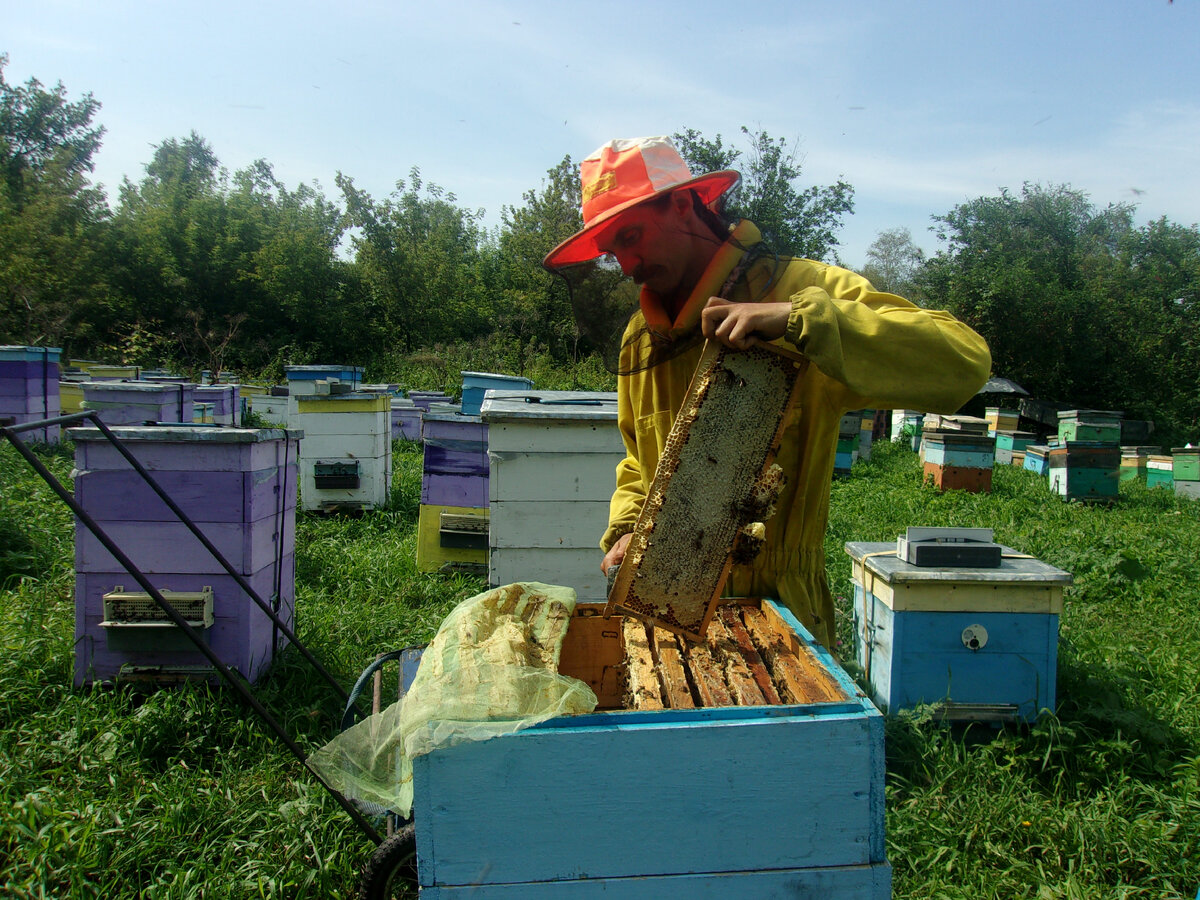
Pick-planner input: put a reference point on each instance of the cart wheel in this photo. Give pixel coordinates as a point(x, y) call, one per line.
point(392, 869)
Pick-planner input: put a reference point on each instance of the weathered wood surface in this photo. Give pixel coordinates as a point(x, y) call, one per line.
point(642, 688)
point(671, 670)
point(799, 675)
point(737, 631)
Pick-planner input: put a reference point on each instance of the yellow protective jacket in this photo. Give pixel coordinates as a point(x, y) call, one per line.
point(868, 350)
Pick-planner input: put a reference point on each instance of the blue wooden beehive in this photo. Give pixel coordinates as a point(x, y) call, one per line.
point(452, 523)
point(983, 642)
point(632, 804)
point(239, 487)
point(476, 384)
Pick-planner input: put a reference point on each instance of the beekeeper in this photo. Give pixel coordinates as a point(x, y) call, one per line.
point(701, 276)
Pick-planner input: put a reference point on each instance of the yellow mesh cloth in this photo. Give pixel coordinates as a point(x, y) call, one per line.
point(492, 669)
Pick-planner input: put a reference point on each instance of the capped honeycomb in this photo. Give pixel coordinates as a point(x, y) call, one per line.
point(714, 478)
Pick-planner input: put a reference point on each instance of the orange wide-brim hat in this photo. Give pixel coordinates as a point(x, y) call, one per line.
point(626, 172)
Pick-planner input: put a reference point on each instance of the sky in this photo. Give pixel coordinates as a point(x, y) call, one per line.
point(919, 106)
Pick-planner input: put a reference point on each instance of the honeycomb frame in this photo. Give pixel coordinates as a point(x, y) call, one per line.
point(716, 457)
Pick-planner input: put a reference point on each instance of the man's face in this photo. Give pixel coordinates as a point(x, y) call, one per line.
point(652, 245)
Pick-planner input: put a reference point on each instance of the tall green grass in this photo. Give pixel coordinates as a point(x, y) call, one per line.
point(183, 793)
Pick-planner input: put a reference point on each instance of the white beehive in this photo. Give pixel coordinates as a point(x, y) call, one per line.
point(346, 453)
point(552, 458)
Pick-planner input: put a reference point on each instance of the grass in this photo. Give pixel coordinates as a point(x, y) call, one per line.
point(183, 793)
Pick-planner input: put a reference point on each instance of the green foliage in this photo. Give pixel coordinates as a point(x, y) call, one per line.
point(533, 305)
point(52, 281)
point(419, 256)
point(1076, 304)
point(892, 263)
point(796, 221)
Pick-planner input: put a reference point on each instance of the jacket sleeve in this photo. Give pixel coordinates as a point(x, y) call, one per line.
point(630, 494)
point(888, 353)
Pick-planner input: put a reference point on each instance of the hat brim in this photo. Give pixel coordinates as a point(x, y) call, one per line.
point(582, 246)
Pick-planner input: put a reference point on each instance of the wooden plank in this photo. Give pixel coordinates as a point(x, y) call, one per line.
point(669, 811)
point(592, 652)
point(870, 882)
point(642, 687)
point(741, 683)
point(670, 669)
point(706, 676)
point(762, 678)
point(799, 676)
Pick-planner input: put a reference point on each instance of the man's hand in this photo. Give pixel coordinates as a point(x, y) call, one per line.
point(617, 553)
point(742, 325)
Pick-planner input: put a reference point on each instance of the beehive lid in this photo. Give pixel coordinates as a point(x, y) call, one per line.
point(181, 433)
point(880, 563)
point(505, 405)
point(720, 445)
point(448, 412)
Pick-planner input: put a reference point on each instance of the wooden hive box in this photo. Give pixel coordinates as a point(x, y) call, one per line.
point(959, 461)
point(1089, 425)
point(552, 471)
point(346, 453)
point(426, 399)
point(866, 434)
point(1009, 442)
point(1000, 419)
point(406, 420)
point(452, 526)
point(239, 487)
point(1133, 462)
point(455, 462)
point(981, 642)
point(696, 800)
point(1085, 470)
point(137, 402)
point(224, 399)
point(1037, 459)
point(475, 385)
point(29, 388)
point(1160, 471)
point(102, 372)
point(1185, 464)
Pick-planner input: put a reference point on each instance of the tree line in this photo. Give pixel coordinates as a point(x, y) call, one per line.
point(200, 268)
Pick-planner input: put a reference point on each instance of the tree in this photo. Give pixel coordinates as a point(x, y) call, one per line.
point(216, 269)
point(892, 261)
point(419, 255)
point(534, 306)
point(796, 221)
point(51, 219)
point(1076, 304)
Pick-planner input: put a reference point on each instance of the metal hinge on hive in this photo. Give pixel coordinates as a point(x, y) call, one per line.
point(714, 478)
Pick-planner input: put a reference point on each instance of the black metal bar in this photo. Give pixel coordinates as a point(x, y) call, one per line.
point(217, 555)
point(46, 423)
point(173, 614)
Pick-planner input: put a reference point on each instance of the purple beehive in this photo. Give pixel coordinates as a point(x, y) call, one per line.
point(137, 402)
point(29, 388)
point(426, 399)
point(238, 485)
point(224, 398)
point(406, 420)
point(455, 471)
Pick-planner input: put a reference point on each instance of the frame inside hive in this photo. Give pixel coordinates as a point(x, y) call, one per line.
point(723, 439)
point(750, 657)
